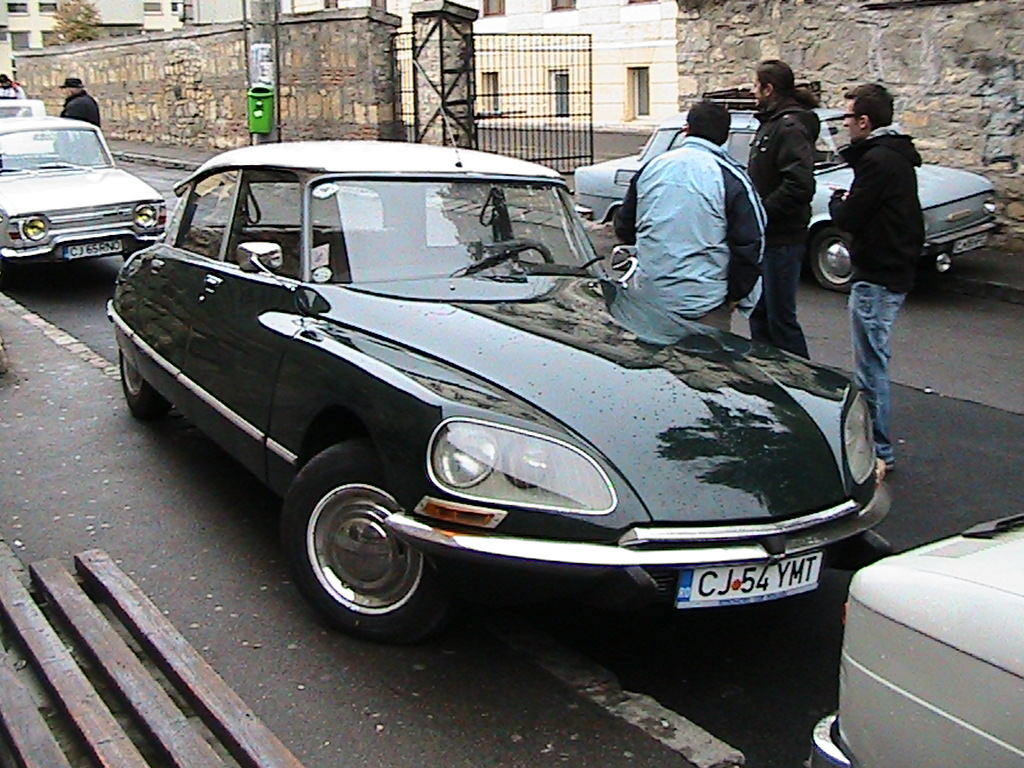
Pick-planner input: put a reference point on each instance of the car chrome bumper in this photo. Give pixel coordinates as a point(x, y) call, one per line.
point(825, 752)
point(669, 550)
point(945, 241)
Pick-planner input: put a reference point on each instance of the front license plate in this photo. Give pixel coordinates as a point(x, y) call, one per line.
point(748, 583)
point(970, 243)
point(96, 248)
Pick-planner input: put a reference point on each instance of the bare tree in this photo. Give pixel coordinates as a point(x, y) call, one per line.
point(76, 20)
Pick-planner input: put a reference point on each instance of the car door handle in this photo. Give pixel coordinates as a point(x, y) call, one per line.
point(155, 265)
point(212, 282)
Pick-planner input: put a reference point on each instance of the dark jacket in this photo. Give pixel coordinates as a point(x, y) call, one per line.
point(782, 168)
point(81, 106)
point(882, 212)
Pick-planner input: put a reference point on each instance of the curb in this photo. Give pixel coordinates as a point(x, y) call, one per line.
point(163, 162)
point(985, 290)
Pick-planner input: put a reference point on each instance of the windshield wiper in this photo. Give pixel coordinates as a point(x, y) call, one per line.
point(50, 166)
point(506, 250)
point(993, 528)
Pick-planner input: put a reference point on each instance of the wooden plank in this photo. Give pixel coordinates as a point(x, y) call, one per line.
point(26, 731)
point(155, 712)
point(250, 742)
point(103, 735)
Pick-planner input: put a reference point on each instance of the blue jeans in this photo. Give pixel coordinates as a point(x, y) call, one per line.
point(774, 318)
point(873, 310)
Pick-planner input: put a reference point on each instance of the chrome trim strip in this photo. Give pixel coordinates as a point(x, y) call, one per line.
point(275, 447)
point(185, 381)
point(977, 229)
point(443, 541)
point(825, 753)
point(637, 537)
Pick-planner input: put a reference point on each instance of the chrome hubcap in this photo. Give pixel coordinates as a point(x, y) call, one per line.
point(131, 376)
point(835, 262)
point(355, 557)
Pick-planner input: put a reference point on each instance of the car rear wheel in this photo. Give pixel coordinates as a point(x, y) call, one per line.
point(829, 256)
point(143, 401)
point(346, 561)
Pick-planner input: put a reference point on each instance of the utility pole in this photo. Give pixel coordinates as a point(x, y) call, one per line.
point(261, 36)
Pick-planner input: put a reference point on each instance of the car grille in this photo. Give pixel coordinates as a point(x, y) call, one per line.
point(92, 220)
point(665, 580)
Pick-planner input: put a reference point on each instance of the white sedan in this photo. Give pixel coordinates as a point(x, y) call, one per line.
point(62, 198)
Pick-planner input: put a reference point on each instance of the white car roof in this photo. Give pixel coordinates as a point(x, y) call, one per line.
point(376, 157)
point(745, 118)
point(14, 124)
point(22, 108)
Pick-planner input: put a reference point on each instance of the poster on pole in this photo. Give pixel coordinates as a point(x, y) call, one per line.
point(261, 64)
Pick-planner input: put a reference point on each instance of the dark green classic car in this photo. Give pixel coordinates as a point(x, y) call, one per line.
point(419, 349)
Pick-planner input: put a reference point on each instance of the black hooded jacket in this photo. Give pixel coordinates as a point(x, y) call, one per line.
point(882, 211)
point(782, 168)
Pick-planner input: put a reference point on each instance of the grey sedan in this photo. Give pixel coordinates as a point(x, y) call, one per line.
point(959, 206)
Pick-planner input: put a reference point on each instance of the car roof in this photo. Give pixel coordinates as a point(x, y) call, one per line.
point(744, 118)
point(14, 124)
point(34, 107)
point(376, 157)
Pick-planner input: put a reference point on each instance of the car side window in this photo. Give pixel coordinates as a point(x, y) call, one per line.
point(738, 146)
point(269, 210)
point(207, 214)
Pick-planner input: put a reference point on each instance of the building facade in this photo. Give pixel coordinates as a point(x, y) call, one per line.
point(30, 24)
point(635, 75)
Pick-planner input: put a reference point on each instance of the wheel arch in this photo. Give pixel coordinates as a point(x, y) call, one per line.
point(332, 425)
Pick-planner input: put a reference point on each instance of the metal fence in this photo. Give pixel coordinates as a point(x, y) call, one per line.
point(530, 95)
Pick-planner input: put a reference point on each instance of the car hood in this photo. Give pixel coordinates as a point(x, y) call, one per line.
point(711, 428)
point(936, 185)
point(595, 179)
point(32, 192)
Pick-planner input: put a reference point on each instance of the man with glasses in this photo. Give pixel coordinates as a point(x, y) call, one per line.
point(882, 214)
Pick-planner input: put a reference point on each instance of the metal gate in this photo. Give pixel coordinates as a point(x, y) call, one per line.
point(529, 96)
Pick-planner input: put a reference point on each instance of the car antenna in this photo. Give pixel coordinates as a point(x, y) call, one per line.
point(444, 113)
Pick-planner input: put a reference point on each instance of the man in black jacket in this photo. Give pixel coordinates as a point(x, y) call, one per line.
point(78, 104)
point(782, 168)
point(882, 214)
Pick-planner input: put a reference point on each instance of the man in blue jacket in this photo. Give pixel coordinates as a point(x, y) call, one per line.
point(882, 213)
point(698, 226)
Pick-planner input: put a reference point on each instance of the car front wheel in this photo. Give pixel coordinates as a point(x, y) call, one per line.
point(143, 401)
point(346, 561)
point(829, 255)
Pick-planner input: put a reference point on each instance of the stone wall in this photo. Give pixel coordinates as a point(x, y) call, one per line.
point(188, 87)
point(956, 68)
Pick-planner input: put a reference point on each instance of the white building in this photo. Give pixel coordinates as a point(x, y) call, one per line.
point(635, 75)
point(30, 24)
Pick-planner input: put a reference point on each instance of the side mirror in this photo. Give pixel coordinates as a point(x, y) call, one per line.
point(258, 256)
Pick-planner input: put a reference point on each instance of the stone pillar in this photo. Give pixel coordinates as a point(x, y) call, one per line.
point(443, 83)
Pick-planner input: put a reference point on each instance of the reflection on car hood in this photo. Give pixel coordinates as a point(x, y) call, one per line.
point(708, 429)
point(39, 192)
point(595, 179)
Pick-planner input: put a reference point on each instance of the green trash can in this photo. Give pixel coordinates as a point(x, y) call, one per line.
point(260, 109)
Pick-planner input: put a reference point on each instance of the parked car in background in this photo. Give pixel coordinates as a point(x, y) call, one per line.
point(62, 198)
point(959, 206)
point(932, 670)
point(418, 348)
point(22, 108)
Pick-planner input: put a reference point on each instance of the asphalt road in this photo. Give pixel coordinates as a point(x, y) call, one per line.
point(200, 536)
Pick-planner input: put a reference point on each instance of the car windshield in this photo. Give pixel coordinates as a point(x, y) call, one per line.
point(659, 142)
point(830, 138)
point(37, 149)
point(405, 230)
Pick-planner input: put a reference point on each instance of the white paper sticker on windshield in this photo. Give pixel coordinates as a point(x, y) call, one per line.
point(322, 275)
point(324, 191)
point(321, 256)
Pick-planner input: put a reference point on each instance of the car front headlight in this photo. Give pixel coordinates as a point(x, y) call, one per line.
point(34, 228)
point(504, 465)
point(859, 440)
point(146, 216)
point(990, 204)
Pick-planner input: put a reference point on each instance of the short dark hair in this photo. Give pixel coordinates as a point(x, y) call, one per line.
point(779, 75)
point(708, 120)
point(874, 102)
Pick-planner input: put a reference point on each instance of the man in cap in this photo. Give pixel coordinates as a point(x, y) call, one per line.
point(79, 105)
point(10, 89)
